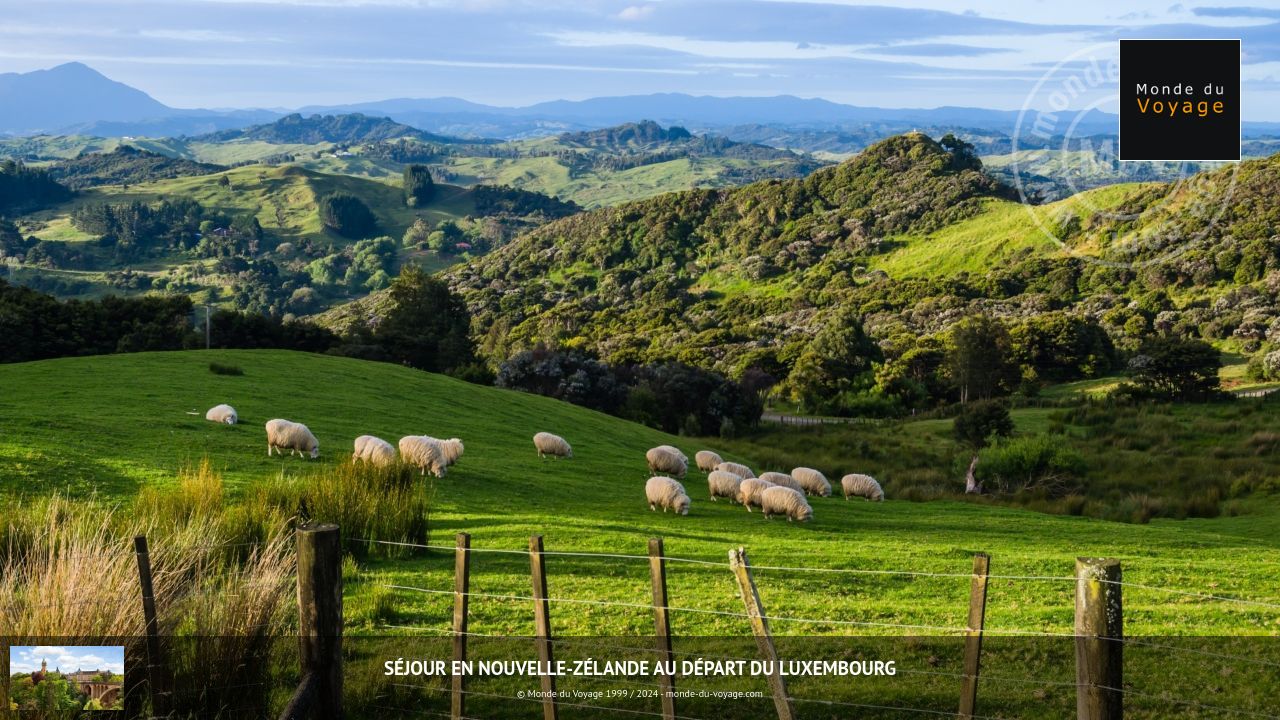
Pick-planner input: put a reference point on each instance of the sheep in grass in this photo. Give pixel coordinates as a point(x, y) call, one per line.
point(552, 445)
point(738, 469)
point(295, 437)
point(723, 485)
point(666, 493)
point(785, 501)
point(452, 450)
point(749, 491)
point(677, 452)
point(424, 453)
point(783, 479)
point(373, 450)
point(666, 459)
point(222, 414)
point(707, 460)
point(813, 482)
point(863, 486)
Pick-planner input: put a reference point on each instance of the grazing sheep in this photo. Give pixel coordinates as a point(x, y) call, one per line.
point(424, 453)
point(707, 460)
point(452, 450)
point(668, 494)
point(813, 482)
point(863, 486)
point(677, 451)
point(749, 492)
point(738, 469)
point(222, 414)
point(295, 437)
point(783, 479)
point(552, 445)
point(666, 459)
point(723, 484)
point(785, 501)
point(373, 450)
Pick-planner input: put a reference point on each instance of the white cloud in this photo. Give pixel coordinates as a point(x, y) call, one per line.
point(66, 659)
point(635, 12)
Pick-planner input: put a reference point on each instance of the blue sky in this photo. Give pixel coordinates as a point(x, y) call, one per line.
point(67, 658)
point(908, 53)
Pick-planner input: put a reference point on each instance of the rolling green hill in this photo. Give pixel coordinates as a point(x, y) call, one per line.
point(910, 237)
point(109, 425)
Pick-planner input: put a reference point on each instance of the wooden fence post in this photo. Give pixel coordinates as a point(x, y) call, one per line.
point(1099, 640)
point(320, 617)
point(157, 687)
point(461, 586)
point(662, 626)
point(973, 635)
point(760, 627)
point(542, 628)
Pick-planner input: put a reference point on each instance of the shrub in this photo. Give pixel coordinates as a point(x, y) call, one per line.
point(1033, 463)
point(347, 215)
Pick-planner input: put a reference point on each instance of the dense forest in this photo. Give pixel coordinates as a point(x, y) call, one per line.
point(127, 165)
point(25, 189)
point(772, 278)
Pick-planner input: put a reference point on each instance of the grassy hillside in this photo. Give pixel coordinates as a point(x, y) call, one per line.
point(129, 427)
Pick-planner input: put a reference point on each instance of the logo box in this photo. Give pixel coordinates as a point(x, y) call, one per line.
point(1180, 100)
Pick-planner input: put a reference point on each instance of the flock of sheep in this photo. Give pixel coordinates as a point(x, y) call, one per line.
point(426, 453)
point(775, 493)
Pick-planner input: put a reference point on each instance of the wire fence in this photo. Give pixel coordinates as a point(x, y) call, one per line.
point(782, 619)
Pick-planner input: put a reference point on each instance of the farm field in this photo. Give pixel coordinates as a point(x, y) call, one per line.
point(57, 438)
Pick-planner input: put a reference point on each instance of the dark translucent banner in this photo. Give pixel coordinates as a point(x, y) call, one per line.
point(623, 677)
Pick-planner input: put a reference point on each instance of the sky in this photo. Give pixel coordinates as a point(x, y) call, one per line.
point(900, 53)
point(67, 658)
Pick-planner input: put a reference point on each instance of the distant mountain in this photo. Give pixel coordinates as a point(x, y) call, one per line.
point(348, 128)
point(67, 95)
point(189, 122)
point(628, 135)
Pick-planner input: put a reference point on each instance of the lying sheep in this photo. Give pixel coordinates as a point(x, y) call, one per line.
point(723, 484)
point(738, 469)
point(424, 453)
point(666, 459)
point(863, 486)
point(785, 501)
point(295, 437)
point(452, 450)
point(663, 492)
point(222, 414)
point(783, 479)
point(813, 482)
point(749, 492)
point(373, 450)
point(552, 445)
point(707, 460)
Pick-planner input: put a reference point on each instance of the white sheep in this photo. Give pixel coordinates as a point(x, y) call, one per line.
point(738, 469)
point(666, 493)
point(424, 453)
point(452, 450)
point(813, 482)
point(295, 437)
point(222, 414)
point(723, 484)
point(666, 459)
point(863, 486)
point(783, 479)
point(677, 451)
point(553, 445)
point(749, 492)
point(373, 450)
point(785, 501)
point(707, 460)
